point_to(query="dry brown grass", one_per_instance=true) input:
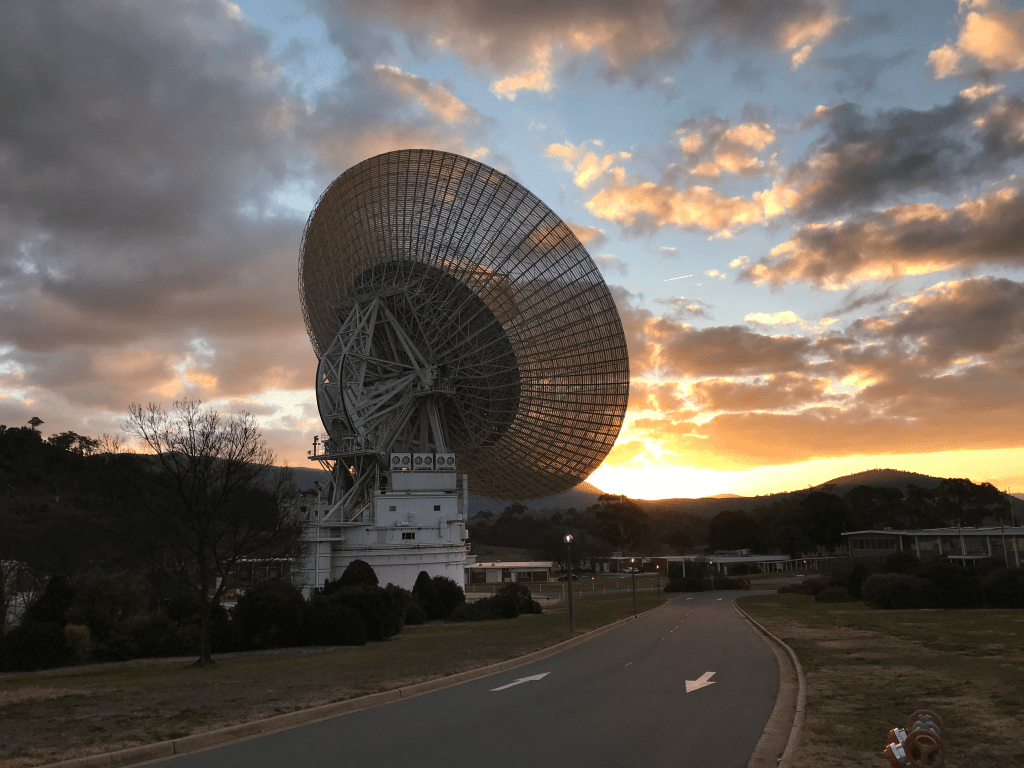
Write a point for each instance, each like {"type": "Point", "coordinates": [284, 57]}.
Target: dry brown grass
{"type": "Point", "coordinates": [868, 670]}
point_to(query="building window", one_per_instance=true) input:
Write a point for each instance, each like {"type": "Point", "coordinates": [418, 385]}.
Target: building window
{"type": "Point", "coordinates": [437, 507]}
{"type": "Point", "coordinates": [392, 509]}
{"type": "Point", "coordinates": [408, 534]}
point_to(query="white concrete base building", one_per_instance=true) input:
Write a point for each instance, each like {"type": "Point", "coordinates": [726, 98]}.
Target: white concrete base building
{"type": "Point", "coordinates": [412, 521]}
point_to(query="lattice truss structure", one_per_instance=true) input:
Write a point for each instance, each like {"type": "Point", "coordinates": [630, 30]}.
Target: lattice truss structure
{"type": "Point", "coordinates": [453, 311]}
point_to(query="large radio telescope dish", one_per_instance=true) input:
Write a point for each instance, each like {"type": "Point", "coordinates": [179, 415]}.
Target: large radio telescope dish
{"type": "Point", "coordinates": [424, 272]}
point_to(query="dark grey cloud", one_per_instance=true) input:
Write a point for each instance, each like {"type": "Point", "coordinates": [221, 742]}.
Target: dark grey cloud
{"type": "Point", "coordinates": [857, 299]}
{"type": "Point", "coordinates": [907, 239]}
{"type": "Point", "coordinates": [861, 161]}
{"type": "Point", "coordinates": [857, 73]}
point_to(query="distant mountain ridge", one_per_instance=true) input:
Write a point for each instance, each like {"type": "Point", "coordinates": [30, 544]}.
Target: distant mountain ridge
{"type": "Point", "coordinates": [586, 494]}
{"type": "Point", "coordinates": [881, 478]}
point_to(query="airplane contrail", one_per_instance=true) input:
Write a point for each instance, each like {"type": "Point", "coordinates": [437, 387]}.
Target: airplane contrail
{"type": "Point", "coordinates": [677, 278]}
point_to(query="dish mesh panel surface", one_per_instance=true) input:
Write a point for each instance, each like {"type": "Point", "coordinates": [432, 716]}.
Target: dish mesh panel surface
{"type": "Point", "coordinates": [528, 269]}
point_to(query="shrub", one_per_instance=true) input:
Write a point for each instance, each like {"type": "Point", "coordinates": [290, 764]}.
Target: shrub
{"type": "Point", "coordinates": [185, 608]}
{"type": "Point", "coordinates": [727, 582]}
{"type": "Point", "coordinates": [425, 592]}
{"type": "Point", "coordinates": [52, 605]}
{"type": "Point", "coordinates": [151, 635]}
{"type": "Point", "coordinates": [855, 581]}
{"type": "Point", "coordinates": [272, 615]}
{"type": "Point", "coordinates": [359, 573]}
{"type": "Point", "coordinates": [512, 600]}
{"type": "Point", "coordinates": [688, 584]}
{"type": "Point", "coordinates": [811, 587]}
{"type": "Point", "coordinates": [1005, 589]}
{"type": "Point", "coordinates": [76, 636]}
{"type": "Point", "coordinates": [332, 622]}
{"type": "Point", "coordinates": [449, 594]}
{"type": "Point", "coordinates": [106, 602]}
{"type": "Point", "coordinates": [902, 562]}
{"type": "Point", "coordinates": [226, 635]}
{"type": "Point", "coordinates": [507, 603]}
{"type": "Point", "coordinates": [34, 645]}
{"type": "Point", "coordinates": [835, 595]}
{"type": "Point", "coordinates": [899, 591]}
{"type": "Point", "coordinates": [957, 587]}
{"type": "Point", "coordinates": [414, 613]}
{"type": "Point", "coordinates": [477, 610]}
{"type": "Point", "coordinates": [382, 610]}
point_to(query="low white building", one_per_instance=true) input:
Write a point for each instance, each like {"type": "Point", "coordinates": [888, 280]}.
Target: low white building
{"type": "Point", "coordinates": [414, 520]}
{"type": "Point", "coordinates": [504, 573]}
{"type": "Point", "coordinates": [961, 544]}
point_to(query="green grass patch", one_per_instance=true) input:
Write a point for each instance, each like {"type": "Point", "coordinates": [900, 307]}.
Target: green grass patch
{"type": "Point", "coordinates": [867, 670]}
{"type": "Point", "coordinates": [74, 711]}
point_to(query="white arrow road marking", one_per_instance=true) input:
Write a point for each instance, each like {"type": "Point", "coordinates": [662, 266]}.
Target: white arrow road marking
{"type": "Point", "coordinates": [701, 682]}
{"type": "Point", "coordinates": [533, 677]}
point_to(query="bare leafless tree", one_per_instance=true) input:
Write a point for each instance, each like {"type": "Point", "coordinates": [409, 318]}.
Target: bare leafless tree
{"type": "Point", "coordinates": [212, 496]}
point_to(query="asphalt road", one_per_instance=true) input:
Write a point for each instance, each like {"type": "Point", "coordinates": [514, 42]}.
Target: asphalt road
{"type": "Point", "coordinates": [619, 701]}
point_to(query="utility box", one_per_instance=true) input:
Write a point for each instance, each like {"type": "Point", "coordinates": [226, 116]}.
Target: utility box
{"type": "Point", "coordinates": [444, 462]}
{"type": "Point", "coordinates": [400, 461]}
{"type": "Point", "coordinates": [423, 462]}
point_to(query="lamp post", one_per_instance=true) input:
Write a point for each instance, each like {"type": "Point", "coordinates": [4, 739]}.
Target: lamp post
{"type": "Point", "coordinates": [568, 583]}
{"type": "Point", "coordinates": [657, 572]}
{"type": "Point", "coordinates": [632, 572]}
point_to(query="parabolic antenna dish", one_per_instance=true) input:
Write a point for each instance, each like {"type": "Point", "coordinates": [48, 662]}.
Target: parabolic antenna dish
{"type": "Point", "coordinates": [424, 270]}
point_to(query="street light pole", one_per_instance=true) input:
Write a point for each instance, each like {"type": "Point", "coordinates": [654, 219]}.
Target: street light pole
{"type": "Point", "coordinates": [632, 569]}
{"type": "Point", "coordinates": [568, 583]}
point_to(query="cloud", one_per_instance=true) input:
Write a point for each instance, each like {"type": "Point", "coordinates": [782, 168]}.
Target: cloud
{"type": "Point", "coordinates": [609, 263]}
{"type": "Point", "coordinates": [861, 161]}
{"type": "Point", "coordinates": [145, 250]}
{"type": "Point", "coordinates": [788, 317]}
{"type": "Point", "coordinates": [585, 164]}
{"type": "Point", "coordinates": [536, 78]}
{"type": "Point", "coordinates": [944, 360]}
{"type": "Point", "coordinates": [711, 147]}
{"type": "Point", "coordinates": [435, 98]}
{"type": "Point", "coordinates": [622, 39]}
{"type": "Point", "coordinates": [591, 237]}
{"type": "Point", "coordinates": [904, 240]}
{"type": "Point", "coordinates": [774, 392]}
{"type": "Point", "coordinates": [993, 40]}
{"type": "Point", "coordinates": [857, 73]}
{"type": "Point", "coordinates": [680, 307]}
{"type": "Point", "coordinates": [644, 206]}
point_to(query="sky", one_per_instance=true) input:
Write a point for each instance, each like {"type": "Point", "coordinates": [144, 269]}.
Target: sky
{"type": "Point", "coordinates": [810, 212]}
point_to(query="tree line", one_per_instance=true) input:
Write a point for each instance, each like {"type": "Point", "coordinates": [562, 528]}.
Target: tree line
{"type": "Point", "coordinates": [201, 495]}
{"type": "Point", "coordinates": [809, 523]}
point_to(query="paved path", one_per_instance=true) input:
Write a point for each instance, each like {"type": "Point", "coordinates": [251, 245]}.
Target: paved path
{"type": "Point", "coordinates": [617, 701]}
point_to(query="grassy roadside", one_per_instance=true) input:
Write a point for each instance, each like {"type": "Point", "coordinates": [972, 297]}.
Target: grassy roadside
{"type": "Point", "coordinates": [71, 712]}
{"type": "Point", "coordinates": [867, 670]}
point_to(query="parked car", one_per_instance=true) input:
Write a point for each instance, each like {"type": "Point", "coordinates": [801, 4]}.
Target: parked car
{"type": "Point", "coordinates": [632, 570]}
{"type": "Point", "coordinates": [566, 578]}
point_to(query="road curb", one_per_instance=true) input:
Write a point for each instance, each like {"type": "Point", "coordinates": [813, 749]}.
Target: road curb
{"type": "Point", "coordinates": [162, 750]}
{"type": "Point", "coordinates": [776, 747]}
